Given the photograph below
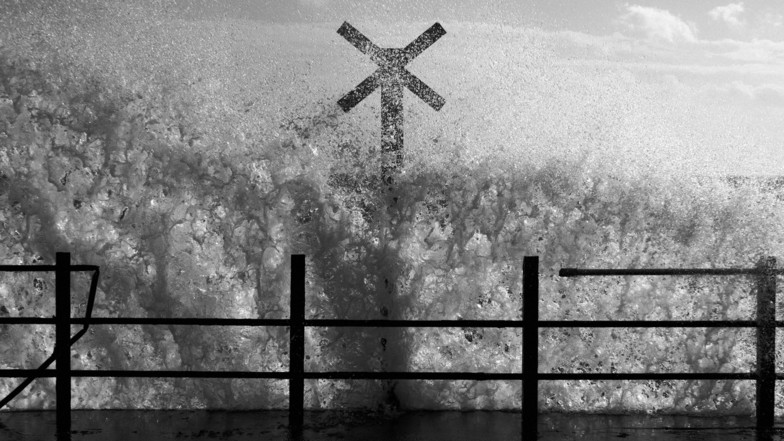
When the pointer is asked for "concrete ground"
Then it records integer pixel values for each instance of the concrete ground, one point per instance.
(343, 426)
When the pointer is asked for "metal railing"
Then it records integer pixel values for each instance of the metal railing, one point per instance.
(297, 323)
(63, 340)
(766, 324)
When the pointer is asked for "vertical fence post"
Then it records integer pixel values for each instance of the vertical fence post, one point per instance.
(766, 345)
(62, 344)
(530, 347)
(297, 347)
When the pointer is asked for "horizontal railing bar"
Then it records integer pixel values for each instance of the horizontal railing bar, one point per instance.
(413, 375)
(27, 321)
(36, 373)
(347, 375)
(36, 268)
(308, 322)
(651, 376)
(576, 272)
(179, 321)
(416, 323)
(391, 323)
(11, 373)
(650, 323)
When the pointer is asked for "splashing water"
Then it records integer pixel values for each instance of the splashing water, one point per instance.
(190, 158)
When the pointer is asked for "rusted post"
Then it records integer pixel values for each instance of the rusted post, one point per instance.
(297, 347)
(530, 347)
(766, 346)
(62, 344)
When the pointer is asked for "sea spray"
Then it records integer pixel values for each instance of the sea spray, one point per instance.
(191, 188)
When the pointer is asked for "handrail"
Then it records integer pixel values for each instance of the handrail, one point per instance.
(577, 272)
(74, 339)
(100, 321)
(765, 323)
(296, 321)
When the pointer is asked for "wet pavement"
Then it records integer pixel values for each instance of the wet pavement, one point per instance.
(138, 425)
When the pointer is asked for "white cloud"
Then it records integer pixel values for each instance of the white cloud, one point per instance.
(755, 51)
(316, 3)
(773, 20)
(739, 92)
(726, 59)
(658, 24)
(729, 14)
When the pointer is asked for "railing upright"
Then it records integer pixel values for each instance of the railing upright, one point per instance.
(62, 344)
(530, 346)
(297, 347)
(766, 324)
(766, 344)
(296, 324)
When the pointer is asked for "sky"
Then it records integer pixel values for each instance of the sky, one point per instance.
(725, 59)
(698, 82)
(691, 20)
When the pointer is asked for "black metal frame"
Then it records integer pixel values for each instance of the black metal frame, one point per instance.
(766, 324)
(297, 323)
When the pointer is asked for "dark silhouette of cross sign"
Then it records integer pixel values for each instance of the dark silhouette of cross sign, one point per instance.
(391, 76)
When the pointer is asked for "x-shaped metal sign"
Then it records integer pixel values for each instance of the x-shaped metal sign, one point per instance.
(391, 76)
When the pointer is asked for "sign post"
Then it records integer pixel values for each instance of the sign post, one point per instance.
(62, 347)
(391, 76)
